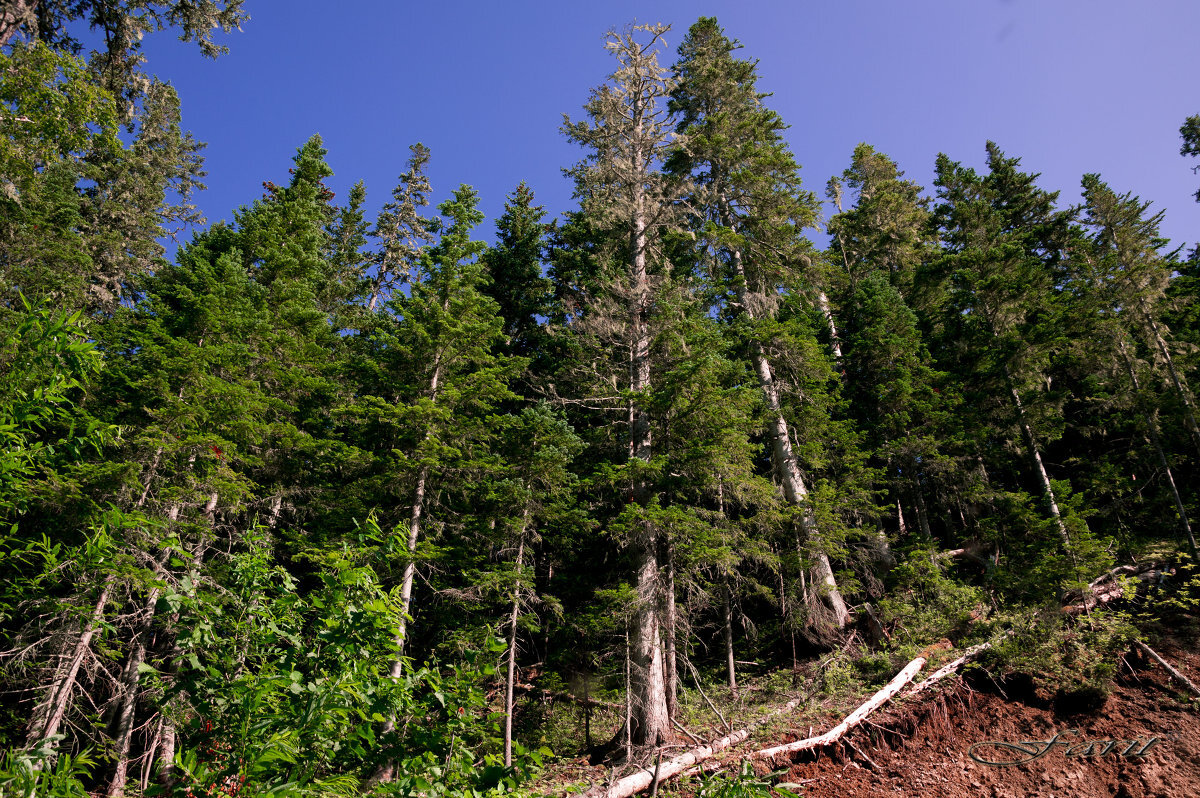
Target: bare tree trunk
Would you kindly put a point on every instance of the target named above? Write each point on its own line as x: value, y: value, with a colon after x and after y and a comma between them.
x: 1181, y: 389
x: 795, y: 491
x: 785, y: 622
x: 835, y: 343
x: 512, y: 645
x: 276, y: 510
x: 730, y: 662
x: 1036, y: 456
x: 130, y: 679
x: 166, y: 753
x: 387, y: 770
x: 670, y: 630
x: 49, y: 714
x: 651, y: 721
x: 628, y: 695
x: 1156, y: 441
x: 922, y: 511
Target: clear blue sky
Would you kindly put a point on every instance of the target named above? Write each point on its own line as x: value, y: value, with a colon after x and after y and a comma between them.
x: 1070, y: 86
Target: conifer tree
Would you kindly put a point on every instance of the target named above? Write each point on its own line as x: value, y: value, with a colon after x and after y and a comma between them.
x: 619, y: 185
x: 999, y: 323
x: 428, y: 380
x: 880, y: 242
x: 1126, y: 275
x: 515, y: 267
x: 750, y: 211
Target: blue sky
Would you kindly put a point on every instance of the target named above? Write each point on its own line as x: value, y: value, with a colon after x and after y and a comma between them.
x: 1070, y: 86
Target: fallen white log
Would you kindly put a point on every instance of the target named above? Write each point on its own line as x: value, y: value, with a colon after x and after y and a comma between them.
x: 1179, y: 677
x: 636, y: 782
x: 853, y: 719
x: 952, y: 666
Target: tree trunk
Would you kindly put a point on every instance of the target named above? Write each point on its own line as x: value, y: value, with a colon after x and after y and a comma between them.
x: 1181, y: 389
x: 15, y: 12
x: 387, y: 770
x: 788, y: 470
x: 1036, y: 456
x: 512, y: 645
x: 1156, y: 441
x: 922, y: 511
x: 835, y: 343
x: 651, y: 722
x: 730, y: 662
x: 130, y: 679
x: 49, y: 714
x: 670, y: 627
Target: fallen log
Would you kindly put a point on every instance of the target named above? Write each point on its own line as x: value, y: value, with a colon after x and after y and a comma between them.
x: 853, y: 719
x: 636, y: 782
x: 643, y: 778
x: 1176, y: 675
x: 952, y: 666
x: 1108, y: 586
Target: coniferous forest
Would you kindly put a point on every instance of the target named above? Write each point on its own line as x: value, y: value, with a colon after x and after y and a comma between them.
x: 426, y: 503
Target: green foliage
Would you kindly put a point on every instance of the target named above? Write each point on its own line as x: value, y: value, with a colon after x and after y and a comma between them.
x: 1065, y: 655
x: 745, y: 783
x: 924, y: 604
x: 1190, y: 133
x: 281, y: 690
x: 47, y: 360
x: 41, y: 773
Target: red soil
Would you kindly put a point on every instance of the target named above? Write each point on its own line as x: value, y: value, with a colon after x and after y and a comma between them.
x: 924, y: 750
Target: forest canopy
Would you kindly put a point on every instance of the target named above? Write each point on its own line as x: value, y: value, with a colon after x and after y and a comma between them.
x: 322, y: 500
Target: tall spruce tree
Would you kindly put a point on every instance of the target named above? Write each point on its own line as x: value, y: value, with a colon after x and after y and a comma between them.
x: 429, y: 380
x: 622, y: 190
x: 749, y: 210
x: 998, y: 324
x: 1126, y: 276
x: 880, y: 242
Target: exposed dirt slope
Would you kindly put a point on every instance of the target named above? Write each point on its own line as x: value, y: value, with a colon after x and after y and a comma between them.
x: 924, y: 750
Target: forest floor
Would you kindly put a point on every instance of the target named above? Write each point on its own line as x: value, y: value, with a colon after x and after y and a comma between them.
x: 923, y: 748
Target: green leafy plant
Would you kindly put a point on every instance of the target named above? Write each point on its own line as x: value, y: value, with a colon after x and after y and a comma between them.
x: 42, y: 774
x: 744, y: 783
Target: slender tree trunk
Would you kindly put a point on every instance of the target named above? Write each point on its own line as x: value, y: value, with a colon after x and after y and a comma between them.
x: 512, y: 644
x: 788, y: 470
x: 130, y: 679
x: 416, y: 511
x: 1036, y: 456
x: 628, y: 695
x: 922, y: 511
x: 651, y: 721
x: 670, y: 629
x: 900, y: 520
x: 789, y: 634
x: 730, y: 662
x: 276, y: 510
x: 835, y: 343
x: 1181, y: 388
x: 1156, y: 441
x: 49, y: 714
x: 387, y: 770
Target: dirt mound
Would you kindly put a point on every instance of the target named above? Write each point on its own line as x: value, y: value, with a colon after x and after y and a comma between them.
x: 1141, y: 741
